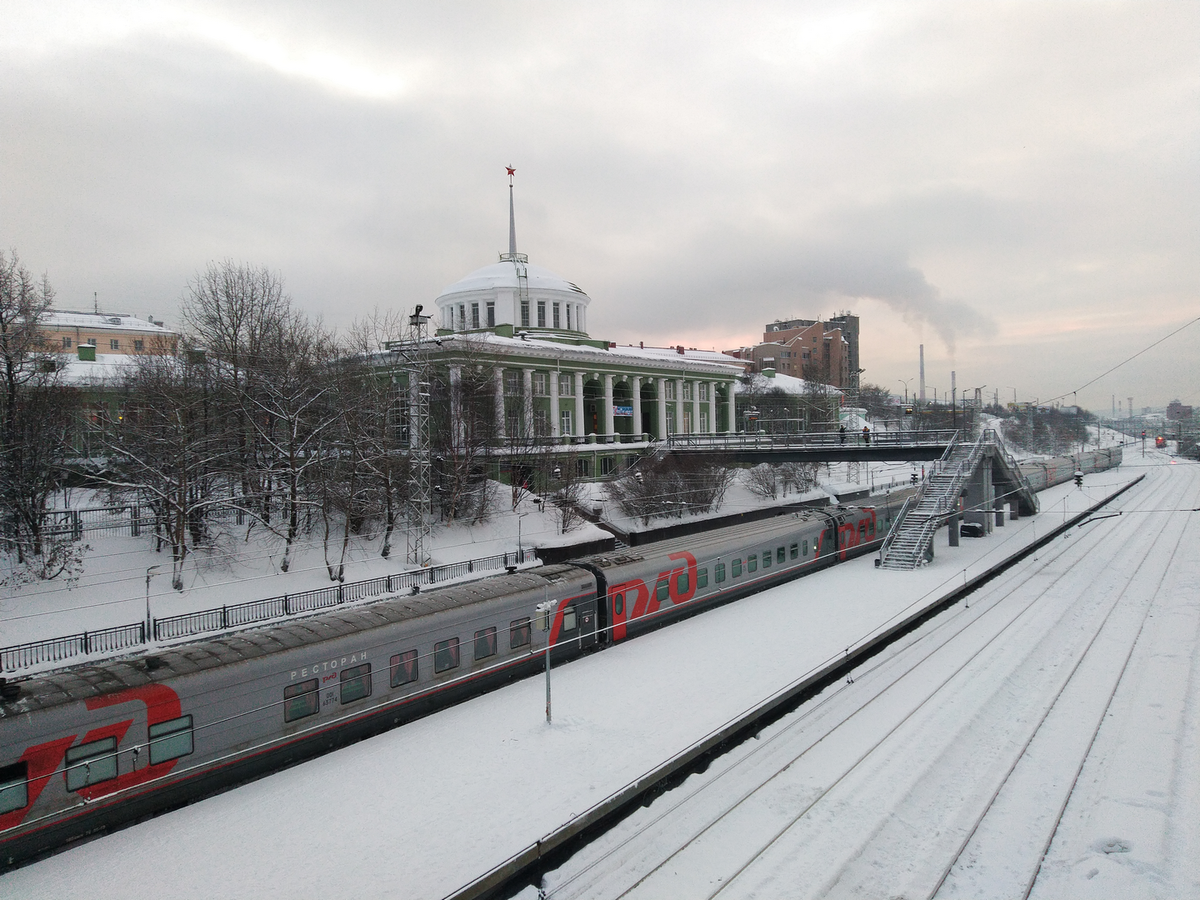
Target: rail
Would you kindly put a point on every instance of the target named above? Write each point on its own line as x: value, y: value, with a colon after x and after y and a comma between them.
x: 240, y: 615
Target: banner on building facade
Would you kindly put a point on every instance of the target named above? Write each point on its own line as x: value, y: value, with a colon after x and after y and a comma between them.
x: 623, y: 411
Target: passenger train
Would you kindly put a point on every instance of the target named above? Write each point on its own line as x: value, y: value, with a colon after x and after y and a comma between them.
x: 93, y: 746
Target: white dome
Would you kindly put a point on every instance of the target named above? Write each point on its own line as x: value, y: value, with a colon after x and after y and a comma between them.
x: 495, y: 294
x: 504, y: 275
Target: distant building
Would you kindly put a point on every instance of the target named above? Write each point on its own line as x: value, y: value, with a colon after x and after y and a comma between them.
x: 809, y: 348
x: 1177, y: 411
x: 108, y: 333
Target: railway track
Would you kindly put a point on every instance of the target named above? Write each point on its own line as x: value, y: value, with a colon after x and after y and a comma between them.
x: 942, y: 768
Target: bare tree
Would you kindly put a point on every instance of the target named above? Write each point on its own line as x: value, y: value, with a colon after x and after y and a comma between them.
x: 35, y: 412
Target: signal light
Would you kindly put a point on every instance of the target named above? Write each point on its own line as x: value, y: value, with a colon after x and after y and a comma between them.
x: 1078, y: 478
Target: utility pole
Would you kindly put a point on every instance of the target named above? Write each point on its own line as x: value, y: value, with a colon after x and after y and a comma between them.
x: 420, y: 500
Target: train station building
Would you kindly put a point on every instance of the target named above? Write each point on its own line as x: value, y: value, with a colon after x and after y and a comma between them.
x: 550, y: 381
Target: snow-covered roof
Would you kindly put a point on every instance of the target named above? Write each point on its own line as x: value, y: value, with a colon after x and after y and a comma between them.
x: 67, y: 319
x: 709, y: 361
x: 788, y: 384
x: 107, y: 367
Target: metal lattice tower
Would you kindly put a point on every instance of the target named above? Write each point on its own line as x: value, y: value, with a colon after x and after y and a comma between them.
x: 420, y: 493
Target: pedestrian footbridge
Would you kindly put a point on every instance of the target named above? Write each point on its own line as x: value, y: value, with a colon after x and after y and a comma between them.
x: 878, y: 446
x: 971, y: 482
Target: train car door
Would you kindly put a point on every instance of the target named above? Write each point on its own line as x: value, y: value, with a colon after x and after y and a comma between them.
x: 625, y: 601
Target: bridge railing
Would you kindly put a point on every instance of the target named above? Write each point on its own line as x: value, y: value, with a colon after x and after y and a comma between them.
x: 806, y: 440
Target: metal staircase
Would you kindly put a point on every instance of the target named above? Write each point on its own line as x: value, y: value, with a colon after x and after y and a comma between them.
x: 910, y: 540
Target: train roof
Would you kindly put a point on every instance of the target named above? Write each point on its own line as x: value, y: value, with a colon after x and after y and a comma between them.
x: 702, y: 542
x: 87, y: 680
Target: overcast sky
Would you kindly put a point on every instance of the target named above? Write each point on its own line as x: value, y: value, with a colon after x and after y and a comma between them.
x: 1013, y: 184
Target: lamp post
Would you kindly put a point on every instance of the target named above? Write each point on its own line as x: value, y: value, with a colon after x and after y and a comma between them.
x: 150, y: 572
x: 520, y: 550
x: 905, y: 381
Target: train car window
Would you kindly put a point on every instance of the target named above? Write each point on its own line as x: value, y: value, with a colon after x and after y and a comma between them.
x: 795, y: 551
x: 702, y: 578
x: 737, y: 568
x: 170, y: 740
x: 404, y: 668
x: 661, y: 591
x: 806, y: 548
x: 619, y: 604
x: 719, y: 572
x: 445, y: 655
x: 519, y: 633
x: 683, y: 582
x: 91, y: 763
x: 752, y: 563
x: 862, y: 528
x: 485, y: 643
x: 356, y: 683
x: 766, y: 559
x: 300, y: 700
x: 570, y: 621
x: 780, y: 555
x: 14, y: 787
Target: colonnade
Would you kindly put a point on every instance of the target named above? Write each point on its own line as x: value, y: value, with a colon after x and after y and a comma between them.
x: 684, y: 405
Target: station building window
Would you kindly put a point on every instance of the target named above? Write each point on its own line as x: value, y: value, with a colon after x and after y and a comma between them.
x: 541, y: 384
x: 474, y: 315
x: 557, y: 321
x: 541, y: 314
x: 564, y: 424
x: 525, y: 313
x: 491, y: 313
x: 566, y: 385
x: 404, y: 668
x: 66, y: 343
x: 139, y: 346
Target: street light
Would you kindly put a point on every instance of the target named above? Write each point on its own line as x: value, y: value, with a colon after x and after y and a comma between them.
x: 905, y: 381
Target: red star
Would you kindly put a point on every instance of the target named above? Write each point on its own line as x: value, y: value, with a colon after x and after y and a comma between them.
x: 510, y: 170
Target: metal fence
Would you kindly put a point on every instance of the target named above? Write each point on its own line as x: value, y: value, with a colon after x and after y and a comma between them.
x: 60, y: 649
x: 239, y: 615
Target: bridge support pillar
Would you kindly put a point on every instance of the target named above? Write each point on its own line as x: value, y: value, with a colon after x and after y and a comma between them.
x: 999, y: 513
x: 981, y: 496
x: 954, y: 530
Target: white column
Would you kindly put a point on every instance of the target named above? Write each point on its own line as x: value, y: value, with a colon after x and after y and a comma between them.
x: 636, y: 385
x: 580, y: 429
x: 712, y: 407
x: 662, y: 407
x: 527, y: 403
x: 679, y: 405
x: 554, y: 432
x: 608, y: 407
x: 500, y: 403
x: 695, y: 407
x: 732, y: 409
x: 458, y: 438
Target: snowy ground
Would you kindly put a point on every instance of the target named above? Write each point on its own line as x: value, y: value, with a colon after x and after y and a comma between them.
x: 244, y: 564
x: 424, y: 809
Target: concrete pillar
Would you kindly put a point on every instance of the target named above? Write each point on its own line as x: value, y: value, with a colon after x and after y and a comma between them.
x: 500, y: 403
x: 636, y: 385
x: 554, y: 431
x: 679, y: 423
x: 695, y: 407
x: 527, y: 403
x: 999, y: 512
x: 712, y: 407
x: 662, y: 407
x: 608, y: 407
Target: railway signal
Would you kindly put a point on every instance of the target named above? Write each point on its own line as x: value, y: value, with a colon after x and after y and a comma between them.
x: 1078, y: 478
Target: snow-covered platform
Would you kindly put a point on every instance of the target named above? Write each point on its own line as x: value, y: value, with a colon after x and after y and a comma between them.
x: 425, y: 809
